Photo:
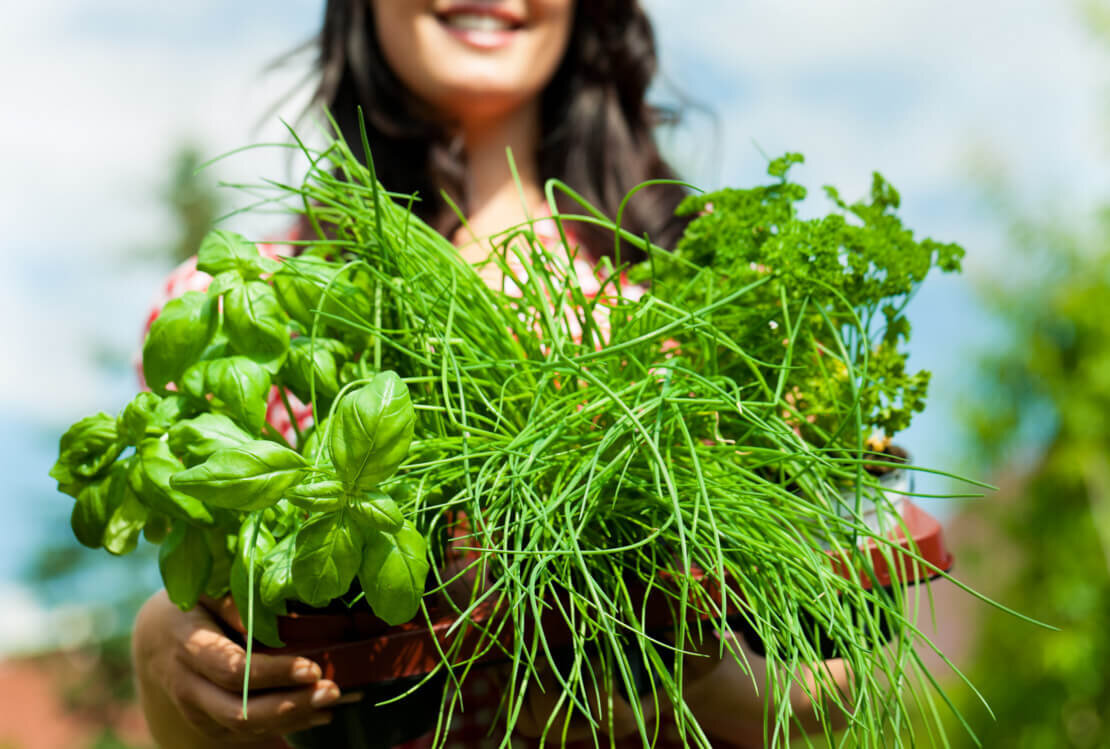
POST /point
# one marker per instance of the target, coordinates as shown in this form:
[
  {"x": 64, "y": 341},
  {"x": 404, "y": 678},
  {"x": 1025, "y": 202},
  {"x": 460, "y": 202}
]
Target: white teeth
[{"x": 477, "y": 22}]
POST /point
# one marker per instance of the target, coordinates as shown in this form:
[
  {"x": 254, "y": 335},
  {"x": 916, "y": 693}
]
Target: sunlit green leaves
[
  {"x": 196, "y": 439},
  {"x": 326, "y": 558},
  {"x": 177, "y": 338},
  {"x": 227, "y": 252},
  {"x": 251, "y": 476},
  {"x": 394, "y": 568},
  {"x": 152, "y": 482},
  {"x": 186, "y": 563},
  {"x": 256, "y": 325},
  {"x": 238, "y": 387},
  {"x": 371, "y": 431},
  {"x": 86, "y": 451}
]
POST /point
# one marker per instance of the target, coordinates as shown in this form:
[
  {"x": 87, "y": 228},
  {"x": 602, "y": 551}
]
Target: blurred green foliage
[{"x": 1052, "y": 379}]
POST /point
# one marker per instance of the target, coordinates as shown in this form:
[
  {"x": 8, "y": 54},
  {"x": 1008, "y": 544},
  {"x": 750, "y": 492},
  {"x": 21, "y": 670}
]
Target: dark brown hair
[{"x": 597, "y": 128}]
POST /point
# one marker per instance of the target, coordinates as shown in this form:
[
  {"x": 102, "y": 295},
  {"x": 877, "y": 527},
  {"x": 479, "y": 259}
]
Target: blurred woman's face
[{"x": 474, "y": 59}]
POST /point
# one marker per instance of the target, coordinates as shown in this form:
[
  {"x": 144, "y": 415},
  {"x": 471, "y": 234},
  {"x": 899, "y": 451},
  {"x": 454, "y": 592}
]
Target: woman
[{"x": 447, "y": 86}]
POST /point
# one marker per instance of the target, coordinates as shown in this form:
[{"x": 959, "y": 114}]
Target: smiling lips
[{"x": 480, "y": 26}]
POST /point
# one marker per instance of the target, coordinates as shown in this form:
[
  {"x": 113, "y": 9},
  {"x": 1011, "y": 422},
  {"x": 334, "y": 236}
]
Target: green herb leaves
[
  {"x": 227, "y": 252},
  {"x": 371, "y": 431},
  {"x": 393, "y": 573},
  {"x": 250, "y": 476},
  {"x": 207, "y": 467},
  {"x": 177, "y": 338}
]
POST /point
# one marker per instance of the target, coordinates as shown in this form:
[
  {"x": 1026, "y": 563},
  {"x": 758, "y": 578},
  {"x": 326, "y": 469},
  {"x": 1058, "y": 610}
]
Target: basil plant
[{"x": 194, "y": 465}]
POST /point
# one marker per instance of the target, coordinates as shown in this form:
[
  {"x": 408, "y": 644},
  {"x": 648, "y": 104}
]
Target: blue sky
[{"x": 104, "y": 92}]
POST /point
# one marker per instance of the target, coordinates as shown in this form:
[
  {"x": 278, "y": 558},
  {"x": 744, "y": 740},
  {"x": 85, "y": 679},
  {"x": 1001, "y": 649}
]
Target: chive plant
[{"x": 594, "y": 458}]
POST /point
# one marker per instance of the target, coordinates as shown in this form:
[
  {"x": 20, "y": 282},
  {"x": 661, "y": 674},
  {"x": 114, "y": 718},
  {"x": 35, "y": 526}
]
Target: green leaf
[
  {"x": 220, "y": 547},
  {"x": 371, "y": 432},
  {"x": 196, "y": 439},
  {"x": 256, "y": 325},
  {"x": 314, "y": 447},
  {"x": 317, "y": 496},
  {"x": 186, "y": 563},
  {"x": 247, "y": 556},
  {"x": 223, "y": 283},
  {"x": 326, "y": 557},
  {"x": 177, "y": 338},
  {"x": 277, "y": 579},
  {"x": 156, "y": 465},
  {"x": 227, "y": 252},
  {"x": 136, "y": 421},
  {"x": 314, "y": 362},
  {"x": 96, "y": 504},
  {"x": 171, "y": 409},
  {"x": 252, "y": 476},
  {"x": 85, "y": 452},
  {"x": 300, "y": 286},
  {"x": 157, "y": 527},
  {"x": 376, "y": 511},
  {"x": 238, "y": 386},
  {"x": 121, "y": 533},
  {"x": 394, "y": 569}
]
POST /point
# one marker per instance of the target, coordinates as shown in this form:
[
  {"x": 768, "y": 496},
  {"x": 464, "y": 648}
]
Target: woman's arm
[{"x": 190, "y": 680}]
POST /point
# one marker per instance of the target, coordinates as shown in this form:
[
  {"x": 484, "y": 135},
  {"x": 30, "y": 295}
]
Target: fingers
[
  {"x": 206, "y": 650},
  {"x": 219, "y": 712},
  {"x": 223, "y": 608}
]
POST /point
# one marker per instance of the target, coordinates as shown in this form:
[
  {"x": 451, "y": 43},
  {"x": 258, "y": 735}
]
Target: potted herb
[
  {"x": 824, "y": 326},
  {"x": 532, "y": 477}
]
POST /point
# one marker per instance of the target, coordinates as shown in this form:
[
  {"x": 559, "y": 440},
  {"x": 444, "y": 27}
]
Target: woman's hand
[{"x": 190, "y": 679}]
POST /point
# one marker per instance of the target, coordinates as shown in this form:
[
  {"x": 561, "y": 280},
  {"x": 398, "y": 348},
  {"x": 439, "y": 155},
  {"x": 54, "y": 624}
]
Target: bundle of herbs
[{"x": 595, "y": 456}]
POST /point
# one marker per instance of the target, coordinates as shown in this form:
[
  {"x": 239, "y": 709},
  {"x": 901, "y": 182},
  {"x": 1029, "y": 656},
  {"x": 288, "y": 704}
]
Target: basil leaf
[
  {"x": 239, "y": 388},
  {"x": 218, "y": 579},
  {"x": 247, "y": 556},
  {"x": 177, "y": 338},
  {"x": 376, "y": 511},
  {"x": 94, "y": 506},
  {"x": 85, "y": 452},
  {"x": 121, "y": 534},
  {"x": 252, "y": 476},
  {"x": 283, "y": 518},
  {"x": 300, "y": 287},
  {"x": 393, "y": 572},
  {"x": 317, "y": 496},
  {"x": 157, "y": 527},
  {"x": 136, "y": 421},
  {"x": 186, "y": 563},
  {"x": 156, "y": 465},
  {"x": 196, "y": 439},
  {"x": 170, "y": 410},
  {"x": 372, "y": 430},
  {"x": 277, "y": 579},
  {"x": 256, "y": 325},
  {"x": 314, "y": 447},
  {"x": 223, "y": 283},
  {"x": 224, "y": 251},
  {"x": 326, "y": 557},
  {"x": 313, "y": 362}
]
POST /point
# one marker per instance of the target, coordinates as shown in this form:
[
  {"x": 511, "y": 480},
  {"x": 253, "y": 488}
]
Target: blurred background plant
[
  {"x": 1039, "y": 421},
  {"x": 91, "y": 676}
]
